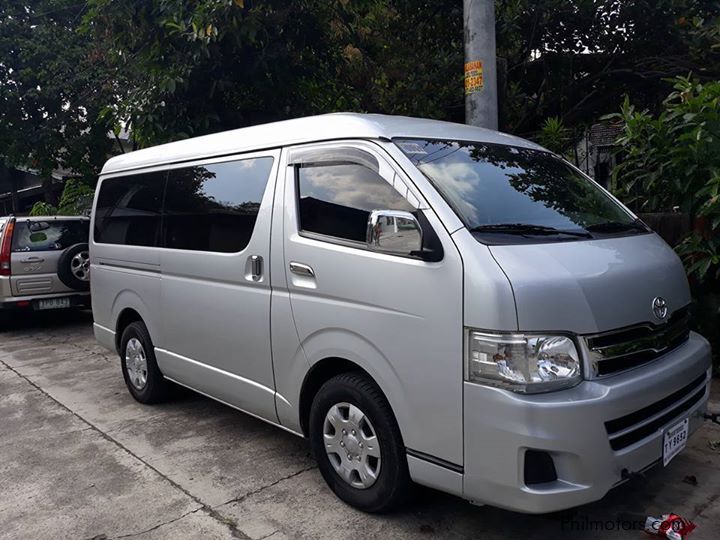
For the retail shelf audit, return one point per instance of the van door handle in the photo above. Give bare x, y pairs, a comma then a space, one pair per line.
256, 267
302, 269
33, 259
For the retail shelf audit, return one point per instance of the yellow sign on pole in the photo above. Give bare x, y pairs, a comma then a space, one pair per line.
473, 77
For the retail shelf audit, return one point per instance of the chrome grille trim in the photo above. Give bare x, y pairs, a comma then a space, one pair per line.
626, 348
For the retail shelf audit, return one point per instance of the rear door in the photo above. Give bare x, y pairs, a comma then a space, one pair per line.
36, 249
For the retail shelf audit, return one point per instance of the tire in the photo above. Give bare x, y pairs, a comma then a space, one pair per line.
153, 387
74, 267
391, 486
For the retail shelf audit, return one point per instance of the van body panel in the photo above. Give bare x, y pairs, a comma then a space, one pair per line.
104, 336
389, 315
225, 351
127, 277
289, 360
489, 303
290, 364
592, 286
245, 394
435, 476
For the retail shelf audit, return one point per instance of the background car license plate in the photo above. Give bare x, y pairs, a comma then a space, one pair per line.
53, 303
675, 440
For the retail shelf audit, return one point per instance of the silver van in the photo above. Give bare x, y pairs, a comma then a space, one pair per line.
424, 301
44, 263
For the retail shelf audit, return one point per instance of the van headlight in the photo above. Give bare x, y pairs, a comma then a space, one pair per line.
523, 363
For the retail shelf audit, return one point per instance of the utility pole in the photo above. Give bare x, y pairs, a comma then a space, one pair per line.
481, 101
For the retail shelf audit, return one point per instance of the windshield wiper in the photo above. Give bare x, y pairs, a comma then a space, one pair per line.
526, 228
616, 226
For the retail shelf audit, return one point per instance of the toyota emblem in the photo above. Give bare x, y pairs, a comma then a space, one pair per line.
659, 307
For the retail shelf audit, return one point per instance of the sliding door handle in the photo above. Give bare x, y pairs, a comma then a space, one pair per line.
256, 267
302, 269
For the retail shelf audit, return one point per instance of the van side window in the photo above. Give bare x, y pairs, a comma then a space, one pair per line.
128, 209
336, 199
214, 207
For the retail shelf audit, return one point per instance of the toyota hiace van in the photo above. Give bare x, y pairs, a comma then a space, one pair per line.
424, 301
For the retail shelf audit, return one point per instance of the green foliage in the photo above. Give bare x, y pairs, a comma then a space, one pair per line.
51, 89
576, 59
76, 199
554, 136
41, 208
198, 67
673, 159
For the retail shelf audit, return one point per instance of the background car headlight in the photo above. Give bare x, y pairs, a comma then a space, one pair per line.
522, 362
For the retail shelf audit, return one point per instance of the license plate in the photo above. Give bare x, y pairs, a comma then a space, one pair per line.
675, 440
53, 303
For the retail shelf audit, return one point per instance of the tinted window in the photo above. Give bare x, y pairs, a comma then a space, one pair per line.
49, 235
490, 184
128, 210
336, 200
214, 207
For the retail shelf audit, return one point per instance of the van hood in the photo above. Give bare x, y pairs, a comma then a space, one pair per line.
592, 286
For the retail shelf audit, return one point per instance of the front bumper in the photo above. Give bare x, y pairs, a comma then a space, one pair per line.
570, 426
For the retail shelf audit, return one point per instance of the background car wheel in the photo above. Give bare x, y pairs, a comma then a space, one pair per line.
357, 443
139, 367
74, 267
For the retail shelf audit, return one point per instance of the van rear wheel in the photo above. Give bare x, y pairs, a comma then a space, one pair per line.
139, 367
357, 443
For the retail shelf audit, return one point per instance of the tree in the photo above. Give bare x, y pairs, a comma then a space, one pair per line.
577, 59
194, 68
52, 90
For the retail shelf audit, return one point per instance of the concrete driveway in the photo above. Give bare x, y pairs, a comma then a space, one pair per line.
80, 459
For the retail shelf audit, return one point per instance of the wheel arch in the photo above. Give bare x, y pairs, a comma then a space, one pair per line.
322, 371
126, 317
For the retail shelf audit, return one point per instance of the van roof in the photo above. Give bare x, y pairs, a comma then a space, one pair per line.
324, 127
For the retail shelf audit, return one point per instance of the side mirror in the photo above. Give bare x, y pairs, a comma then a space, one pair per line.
395, 232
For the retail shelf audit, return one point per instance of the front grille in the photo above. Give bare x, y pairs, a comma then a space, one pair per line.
644, 422
618, 350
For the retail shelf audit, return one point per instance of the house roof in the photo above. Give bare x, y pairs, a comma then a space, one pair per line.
302, 130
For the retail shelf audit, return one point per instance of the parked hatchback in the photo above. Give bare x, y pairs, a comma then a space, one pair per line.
44, 263
424, 301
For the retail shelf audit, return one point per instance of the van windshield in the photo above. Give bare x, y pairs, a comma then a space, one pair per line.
507, 194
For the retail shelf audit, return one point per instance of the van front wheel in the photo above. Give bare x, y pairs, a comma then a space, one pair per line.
357, 443
139, 367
